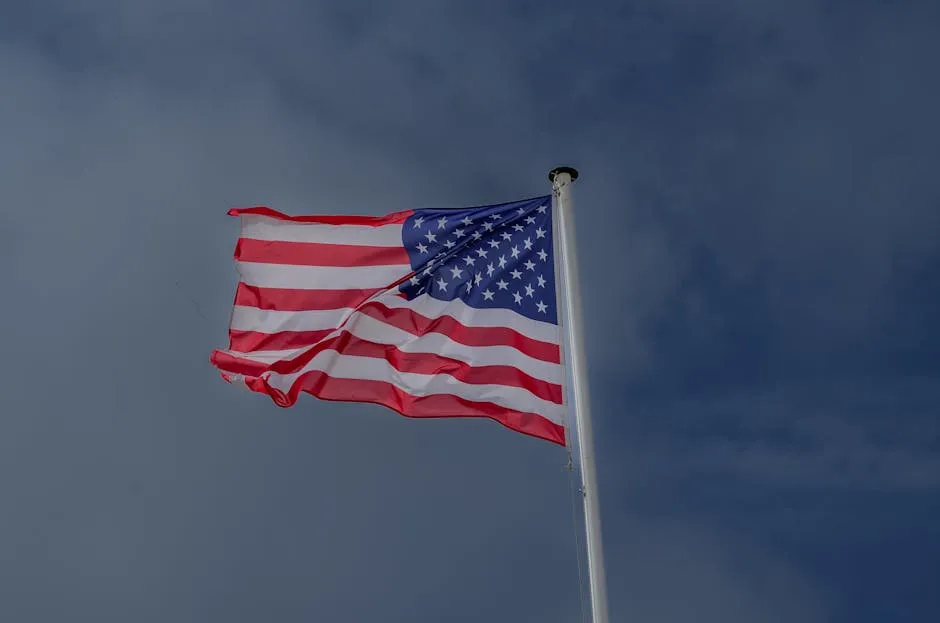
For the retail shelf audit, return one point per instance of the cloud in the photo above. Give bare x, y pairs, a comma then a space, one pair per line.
675, 572
814, 436
773, 155
757, 198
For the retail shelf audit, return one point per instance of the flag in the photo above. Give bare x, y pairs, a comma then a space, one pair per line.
430, 312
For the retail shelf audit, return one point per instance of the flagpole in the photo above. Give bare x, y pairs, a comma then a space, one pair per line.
570, 300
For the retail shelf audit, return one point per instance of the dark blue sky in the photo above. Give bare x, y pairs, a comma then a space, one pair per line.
759, 227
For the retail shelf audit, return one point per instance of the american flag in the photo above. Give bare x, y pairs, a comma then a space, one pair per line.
432, 313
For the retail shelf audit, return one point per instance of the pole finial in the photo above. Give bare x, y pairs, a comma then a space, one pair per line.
571, 171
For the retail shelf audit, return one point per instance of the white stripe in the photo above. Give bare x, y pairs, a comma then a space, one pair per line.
266, 357
238, 380
475, 317
320, 277
260, 227
271, 321
374, 369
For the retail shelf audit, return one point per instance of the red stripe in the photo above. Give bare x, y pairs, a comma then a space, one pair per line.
325, 387
249, 341
237, 365
314, 254
418, 363
285, 299
326, 219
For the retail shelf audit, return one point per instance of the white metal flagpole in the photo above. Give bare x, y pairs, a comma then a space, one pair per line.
569, 298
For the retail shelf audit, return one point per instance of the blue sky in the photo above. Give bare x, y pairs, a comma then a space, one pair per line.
759, 211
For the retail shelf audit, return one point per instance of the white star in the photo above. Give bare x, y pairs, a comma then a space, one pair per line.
539, 233
456, 272
515, 252
543, 255
478, 279
517, 297
466, 221
494, 244
542, 307
431, 237
490, 270
487, 295
469, 286
450, 244
529, 290
502, 285
518, 227
542, 209
441, 222
488, 226
541, 281
520, 211
530, 220
481, 252
495, 217
470, 260
418, 221
459, 232
506, 235
527, 243
529, 264
515, 274
414, 280
502, 261
442, 284
476, 235
422, 248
